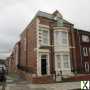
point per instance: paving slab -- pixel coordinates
(56, 86)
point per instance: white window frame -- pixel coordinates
(62, 62)
(85, 51)
(58, 61)
(39, 63)
(62, 44)
(86, 66)
(67, 61)
(41, 39)
(85, 38)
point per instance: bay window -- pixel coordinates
(65, 61)
(62, 61)
(58, 58)
(61, 38)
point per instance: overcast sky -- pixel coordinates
(16, 14)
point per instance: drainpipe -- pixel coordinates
(80, 47)
(74, 52)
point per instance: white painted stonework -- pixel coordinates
(62, 50)
(39, 63)
(58, 49)
(41, 51)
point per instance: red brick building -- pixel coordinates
(45, 47)
(82, 44)
(50, 47)
(12, 61)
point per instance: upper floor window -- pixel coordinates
(43, 36)
(61, 38)
(85, 38)
(85, 51)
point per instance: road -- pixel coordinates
(57, 86)
(25, 85)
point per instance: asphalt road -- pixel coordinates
(25, 85)
(57, 86)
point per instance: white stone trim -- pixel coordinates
(62, 64)
(43, 50)
(44, 26)
(60, 47)
(38, 25)
(39, 63)
(45, 29)
(61, 28)
(37, 33)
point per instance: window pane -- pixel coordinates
(58, 58)
(85, 38)
(61, 38)
(85, 51)
(65, 59)
(43, 36)
(64, 37)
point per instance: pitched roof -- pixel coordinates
(51, 16)
(44, 14)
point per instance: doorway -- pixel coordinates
(44, 64)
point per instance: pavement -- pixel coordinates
(56, 86)
(26, 85)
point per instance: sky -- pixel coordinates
(15, 15)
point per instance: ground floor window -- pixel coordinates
(62, 61)
(66, 61)
(58, 58)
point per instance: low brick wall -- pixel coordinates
(43, 80)
(35, 79)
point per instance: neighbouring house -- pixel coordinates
(12, 61)
(50, 48)
(2, 61)
(82, 49)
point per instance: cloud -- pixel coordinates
(16, 14)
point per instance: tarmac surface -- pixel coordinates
(56, 86)
(26, 85)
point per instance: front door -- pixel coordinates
(43, 65)
(86, 67)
